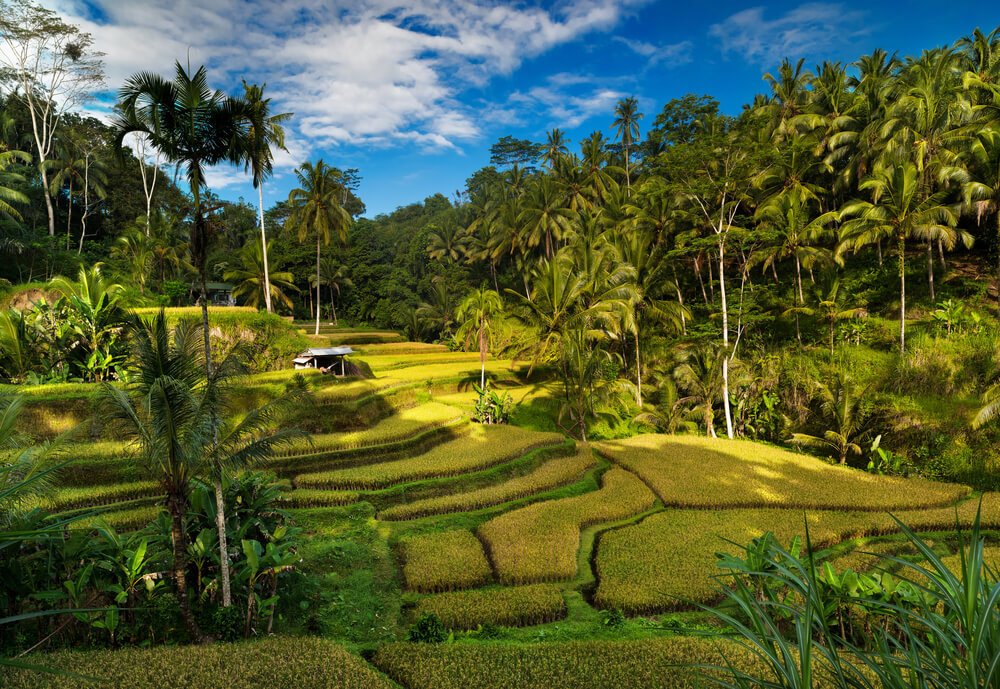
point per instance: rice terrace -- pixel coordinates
(676, 391)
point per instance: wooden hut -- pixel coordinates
(327, 359)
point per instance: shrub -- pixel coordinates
(428, 629)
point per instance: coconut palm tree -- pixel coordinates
(545, 218)
(897, 212)
(831, 309)
(194, 127)
(333, 274)
(477, 315)
(316, 212)
(982, 191)
(9, 195)
(554, 148)
(175, 417)
(845, 409)
(264, 134)
(252, 282)
(699, 374)
(449, 242)
(626, 126)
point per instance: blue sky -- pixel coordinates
(414, 94)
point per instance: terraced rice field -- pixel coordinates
(509, 527)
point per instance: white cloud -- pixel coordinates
(366, 73)
(806, 30)
(669, 55)
(569, 102)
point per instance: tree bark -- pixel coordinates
(725, 339)
(48, 198)
(318, 299)
(902, 294)
(930, 268)
(179, 541)
(263, 242)
(638, 371)
(220, 527)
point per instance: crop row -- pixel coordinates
(274, 662)
(481, 448)
(553, 473)
(303, 498)
(540, 542)
(515, 606)
(400, 426)
(444, 561)
(662, 663)
(687, 471)
(669, 559)
(92, 496)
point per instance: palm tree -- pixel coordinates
(699, 374)
(626, 127)
(831, 309)
(898, 211)
(194, 127)
(135, 249)
(845, 409)
(478, 314)
(333, 274)
(265, 131)
(95, 300)
(172, 413)
(449, 242)
(555, 148)
(251, 279)
(982, 191)
(68, 169)
(545, 218)
(9, 195)
(438, 312)
(316, 211)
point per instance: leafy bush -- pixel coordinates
(492, 407)
(428, 629)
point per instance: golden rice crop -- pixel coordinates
(274, 662)
(555, 472)
(389, 361)
(303, 498)
(540, 542)
(662, 663)
(480, 448)
(404, 424)
(669, 558)
(688, 471)
(444, 561)
(516, 606)
(400, 348)
(69, 498)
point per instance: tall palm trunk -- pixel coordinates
(930, 268)
(802, 301)
(176, 505)
(482, 357)
(48, 197)
(725, 339)
(69, 213)
(318, 299)
(902, 294)
(638, 371)
(263, 244)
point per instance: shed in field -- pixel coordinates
(327, 360)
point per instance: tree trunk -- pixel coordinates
(802, 301)
(263, 243)
(725, 339)
(902, 294)
(482, 357)
(638, 371)
(48, 198)
(179, 541)
(318, 298)
(680, 300)
(69, 213)
(220, 527)
(930, 269)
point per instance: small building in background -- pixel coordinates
(328, 359)
(219, 293)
